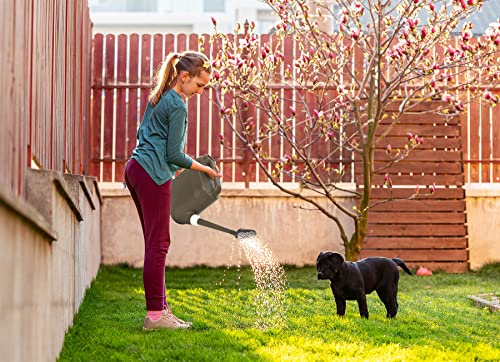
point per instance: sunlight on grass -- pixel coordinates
(436, 322)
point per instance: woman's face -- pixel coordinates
(193, 85)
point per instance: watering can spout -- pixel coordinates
(240, 233)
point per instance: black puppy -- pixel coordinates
(352, 281)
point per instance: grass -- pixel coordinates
(436, 322)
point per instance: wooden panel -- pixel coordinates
(433, 142)
(418, 205)
(447, 180)
(441, 193)
(133, 117)
(399, 217)
(121, 110)
(96, 105)
(419, 255)
(108, 127)
(415, 167)
(192, 137)
(403, 242)
(420, 130)
(416, 230)
(421, 155)
(419, 118)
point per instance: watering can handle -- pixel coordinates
(209, 161)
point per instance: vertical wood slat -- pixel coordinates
(145, 71)
(108, 127)
(192, 137)
(133, 77)
(76, 154)
(121, 108)
(96, 105)
(215, 119)
(204, 132)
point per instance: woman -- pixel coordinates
(156, 158)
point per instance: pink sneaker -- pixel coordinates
(166, 321)
(177, 318)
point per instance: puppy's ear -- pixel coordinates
(337, 259)
(319, 256)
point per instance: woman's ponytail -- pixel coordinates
(164, 78)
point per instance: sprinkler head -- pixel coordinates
(245, 233)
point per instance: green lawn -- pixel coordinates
(436, 322)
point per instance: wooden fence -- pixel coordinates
(123, 70)
(430, 229)
(45, 72)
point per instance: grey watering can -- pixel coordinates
(192, 192)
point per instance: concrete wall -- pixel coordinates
(50, 254)
(483, 223)
(295, 235)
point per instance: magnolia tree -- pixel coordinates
(357, 60)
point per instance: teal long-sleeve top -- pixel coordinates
(161, 136)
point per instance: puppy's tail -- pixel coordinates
(402, 264)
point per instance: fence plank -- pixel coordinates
(420, 255)
(121, 109)
(145, 72)
(133, 117)
(430, 242)
(392, 230)
(418, 205)
(96, 105)
(108, 126)
(422, 217)
(447, 180)
(193, 128)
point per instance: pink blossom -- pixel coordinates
(388, 149)
(355, 34)
(214, 21)
(447, 97)
(410, 136)
(216, 75)
(292, 110)
(432, 188)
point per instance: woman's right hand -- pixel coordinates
(212, 173)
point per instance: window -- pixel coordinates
(214, 6)
(123, 6)
(142, 6)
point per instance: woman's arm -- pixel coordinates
(208, 170)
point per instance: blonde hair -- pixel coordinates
(189, 61)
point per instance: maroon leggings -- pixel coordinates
(153, 205)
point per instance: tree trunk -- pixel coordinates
(354, 246)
